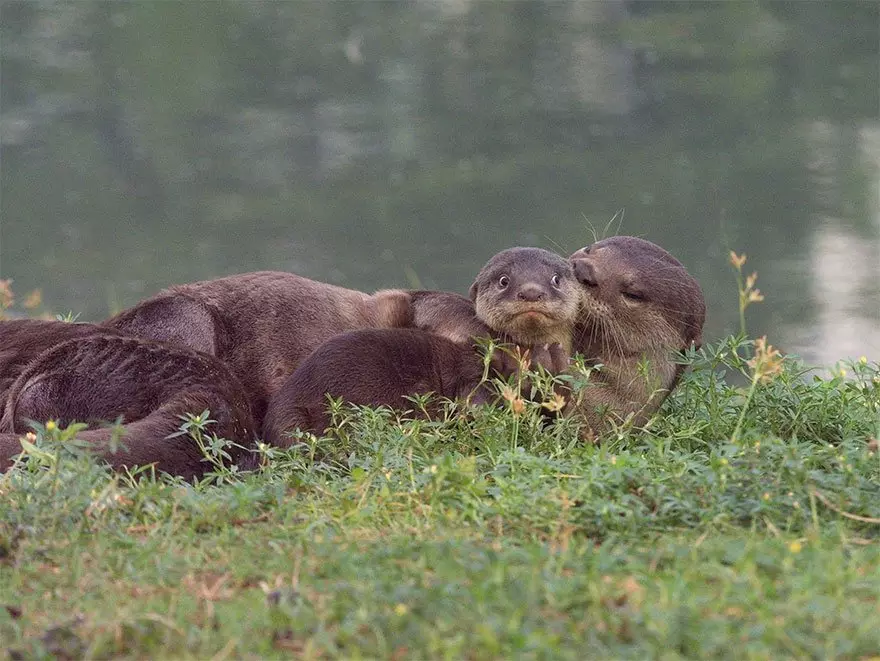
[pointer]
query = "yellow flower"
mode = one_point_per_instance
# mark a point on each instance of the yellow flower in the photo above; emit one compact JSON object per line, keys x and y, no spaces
{"x":51,"y":425}
{"x":767,"y":362}
{"x":863,"y":360}
{"x":795,"y":547}
{"x":555,"y":403}
{"x":737,"y":261}
{"x":518,"y":406}
{"x":33,"y":300}
{"x":401,"y":609}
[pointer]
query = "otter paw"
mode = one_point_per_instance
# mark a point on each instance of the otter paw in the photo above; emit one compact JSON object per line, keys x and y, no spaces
{"x":553,"y":358}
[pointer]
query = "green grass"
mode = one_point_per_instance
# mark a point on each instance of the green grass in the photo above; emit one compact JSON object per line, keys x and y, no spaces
{"x":485,"y":537}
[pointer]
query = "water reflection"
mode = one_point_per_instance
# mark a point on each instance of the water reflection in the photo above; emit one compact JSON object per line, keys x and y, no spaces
{"x":383,"y":144}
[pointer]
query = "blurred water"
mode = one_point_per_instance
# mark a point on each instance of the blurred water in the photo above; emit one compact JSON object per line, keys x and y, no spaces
{"x":383,"y":144}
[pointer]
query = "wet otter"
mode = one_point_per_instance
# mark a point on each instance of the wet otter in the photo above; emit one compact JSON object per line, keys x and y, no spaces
{"x":97,"y":377}
{"x":639,"y":305}
{"x":526,"y":295}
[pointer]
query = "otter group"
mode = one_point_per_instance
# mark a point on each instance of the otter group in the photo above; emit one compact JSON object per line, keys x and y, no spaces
{"x":263,"y":350}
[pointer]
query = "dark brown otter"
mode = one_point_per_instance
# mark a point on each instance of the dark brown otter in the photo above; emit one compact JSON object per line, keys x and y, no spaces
{"x":527,"y":295}
{"x":149,"y":385}
{"x":639,"y":306}
{"x":371,"y":367}
{"x":383,"y":368}
{"x":22,"y":340}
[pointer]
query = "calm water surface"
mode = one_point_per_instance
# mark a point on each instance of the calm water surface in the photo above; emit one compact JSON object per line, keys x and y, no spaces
{"x":378,"y":144}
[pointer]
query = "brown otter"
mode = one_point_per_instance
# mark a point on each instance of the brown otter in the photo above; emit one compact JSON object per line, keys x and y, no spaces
{"x":526,"y":295}
{"x":371,"y":367}
{"x":264,"y":324}
{"x":529,"y":295}
{"x":102,"y":376}
{"x":22,"y":340}
{"x":639,"y":306}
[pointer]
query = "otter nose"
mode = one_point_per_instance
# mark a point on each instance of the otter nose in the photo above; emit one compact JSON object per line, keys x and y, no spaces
{"x":531,"y":293}
{"x":585,"y":272}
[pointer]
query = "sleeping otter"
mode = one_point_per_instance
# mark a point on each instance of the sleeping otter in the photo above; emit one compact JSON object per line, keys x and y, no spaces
{"x":97,"y":377}
{"x":526,"y":295}
{"x":639,"y":306}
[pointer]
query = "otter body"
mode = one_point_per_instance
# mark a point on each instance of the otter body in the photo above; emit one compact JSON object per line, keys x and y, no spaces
{"x":371,"y":367}
{"x":639,"y":305}
{"x":526,"y":295}
{"x":22,"y":340}
{"x":97,"y":377}
{"x":264,"y":324}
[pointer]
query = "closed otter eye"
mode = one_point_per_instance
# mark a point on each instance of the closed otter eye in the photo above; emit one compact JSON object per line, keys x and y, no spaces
{"x":503,"y":282}
{"x":633,"y":296}
{"x":556,"y":281}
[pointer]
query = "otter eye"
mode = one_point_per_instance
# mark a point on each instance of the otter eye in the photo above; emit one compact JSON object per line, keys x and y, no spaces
{"x":556,"y":281}
{"x":633,"y":296}
{"x":503,"y":281}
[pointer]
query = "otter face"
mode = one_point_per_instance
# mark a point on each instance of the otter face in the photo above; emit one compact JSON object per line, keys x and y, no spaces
{"x":637,"y":297}
{"x":529,"y":294}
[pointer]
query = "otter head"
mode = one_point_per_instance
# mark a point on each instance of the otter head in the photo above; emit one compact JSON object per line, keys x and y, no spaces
{"x":529,"y":294}
{"x":638,"y":303}
{"x":636,"y":299}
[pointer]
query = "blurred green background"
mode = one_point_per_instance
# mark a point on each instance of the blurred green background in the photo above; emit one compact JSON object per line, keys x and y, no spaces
{"x":378,"y":144}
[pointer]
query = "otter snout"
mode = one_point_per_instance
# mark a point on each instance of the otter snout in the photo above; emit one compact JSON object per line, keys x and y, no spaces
{"x":531,"y":292}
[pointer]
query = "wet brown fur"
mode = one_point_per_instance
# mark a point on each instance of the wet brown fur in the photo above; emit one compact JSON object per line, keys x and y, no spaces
{"x":99,"y":377}
{"x":639,"y":305}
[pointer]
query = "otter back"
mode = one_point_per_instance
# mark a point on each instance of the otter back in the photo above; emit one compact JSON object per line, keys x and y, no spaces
{"x":150,"y":385}
{"x":22,"y":340}
{"x":371,"y":367}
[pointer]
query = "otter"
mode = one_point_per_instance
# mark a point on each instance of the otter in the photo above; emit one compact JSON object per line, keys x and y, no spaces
{"x":529,"y":295}
{"x":639,"y":305}
{"x":22,"y":340}
{"x":97,"y":376}
{"x":264,"y":324}
{"x":525,"y":295}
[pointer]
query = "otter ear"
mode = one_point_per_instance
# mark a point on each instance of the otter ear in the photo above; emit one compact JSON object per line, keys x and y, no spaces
{"x":474,"y":290}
